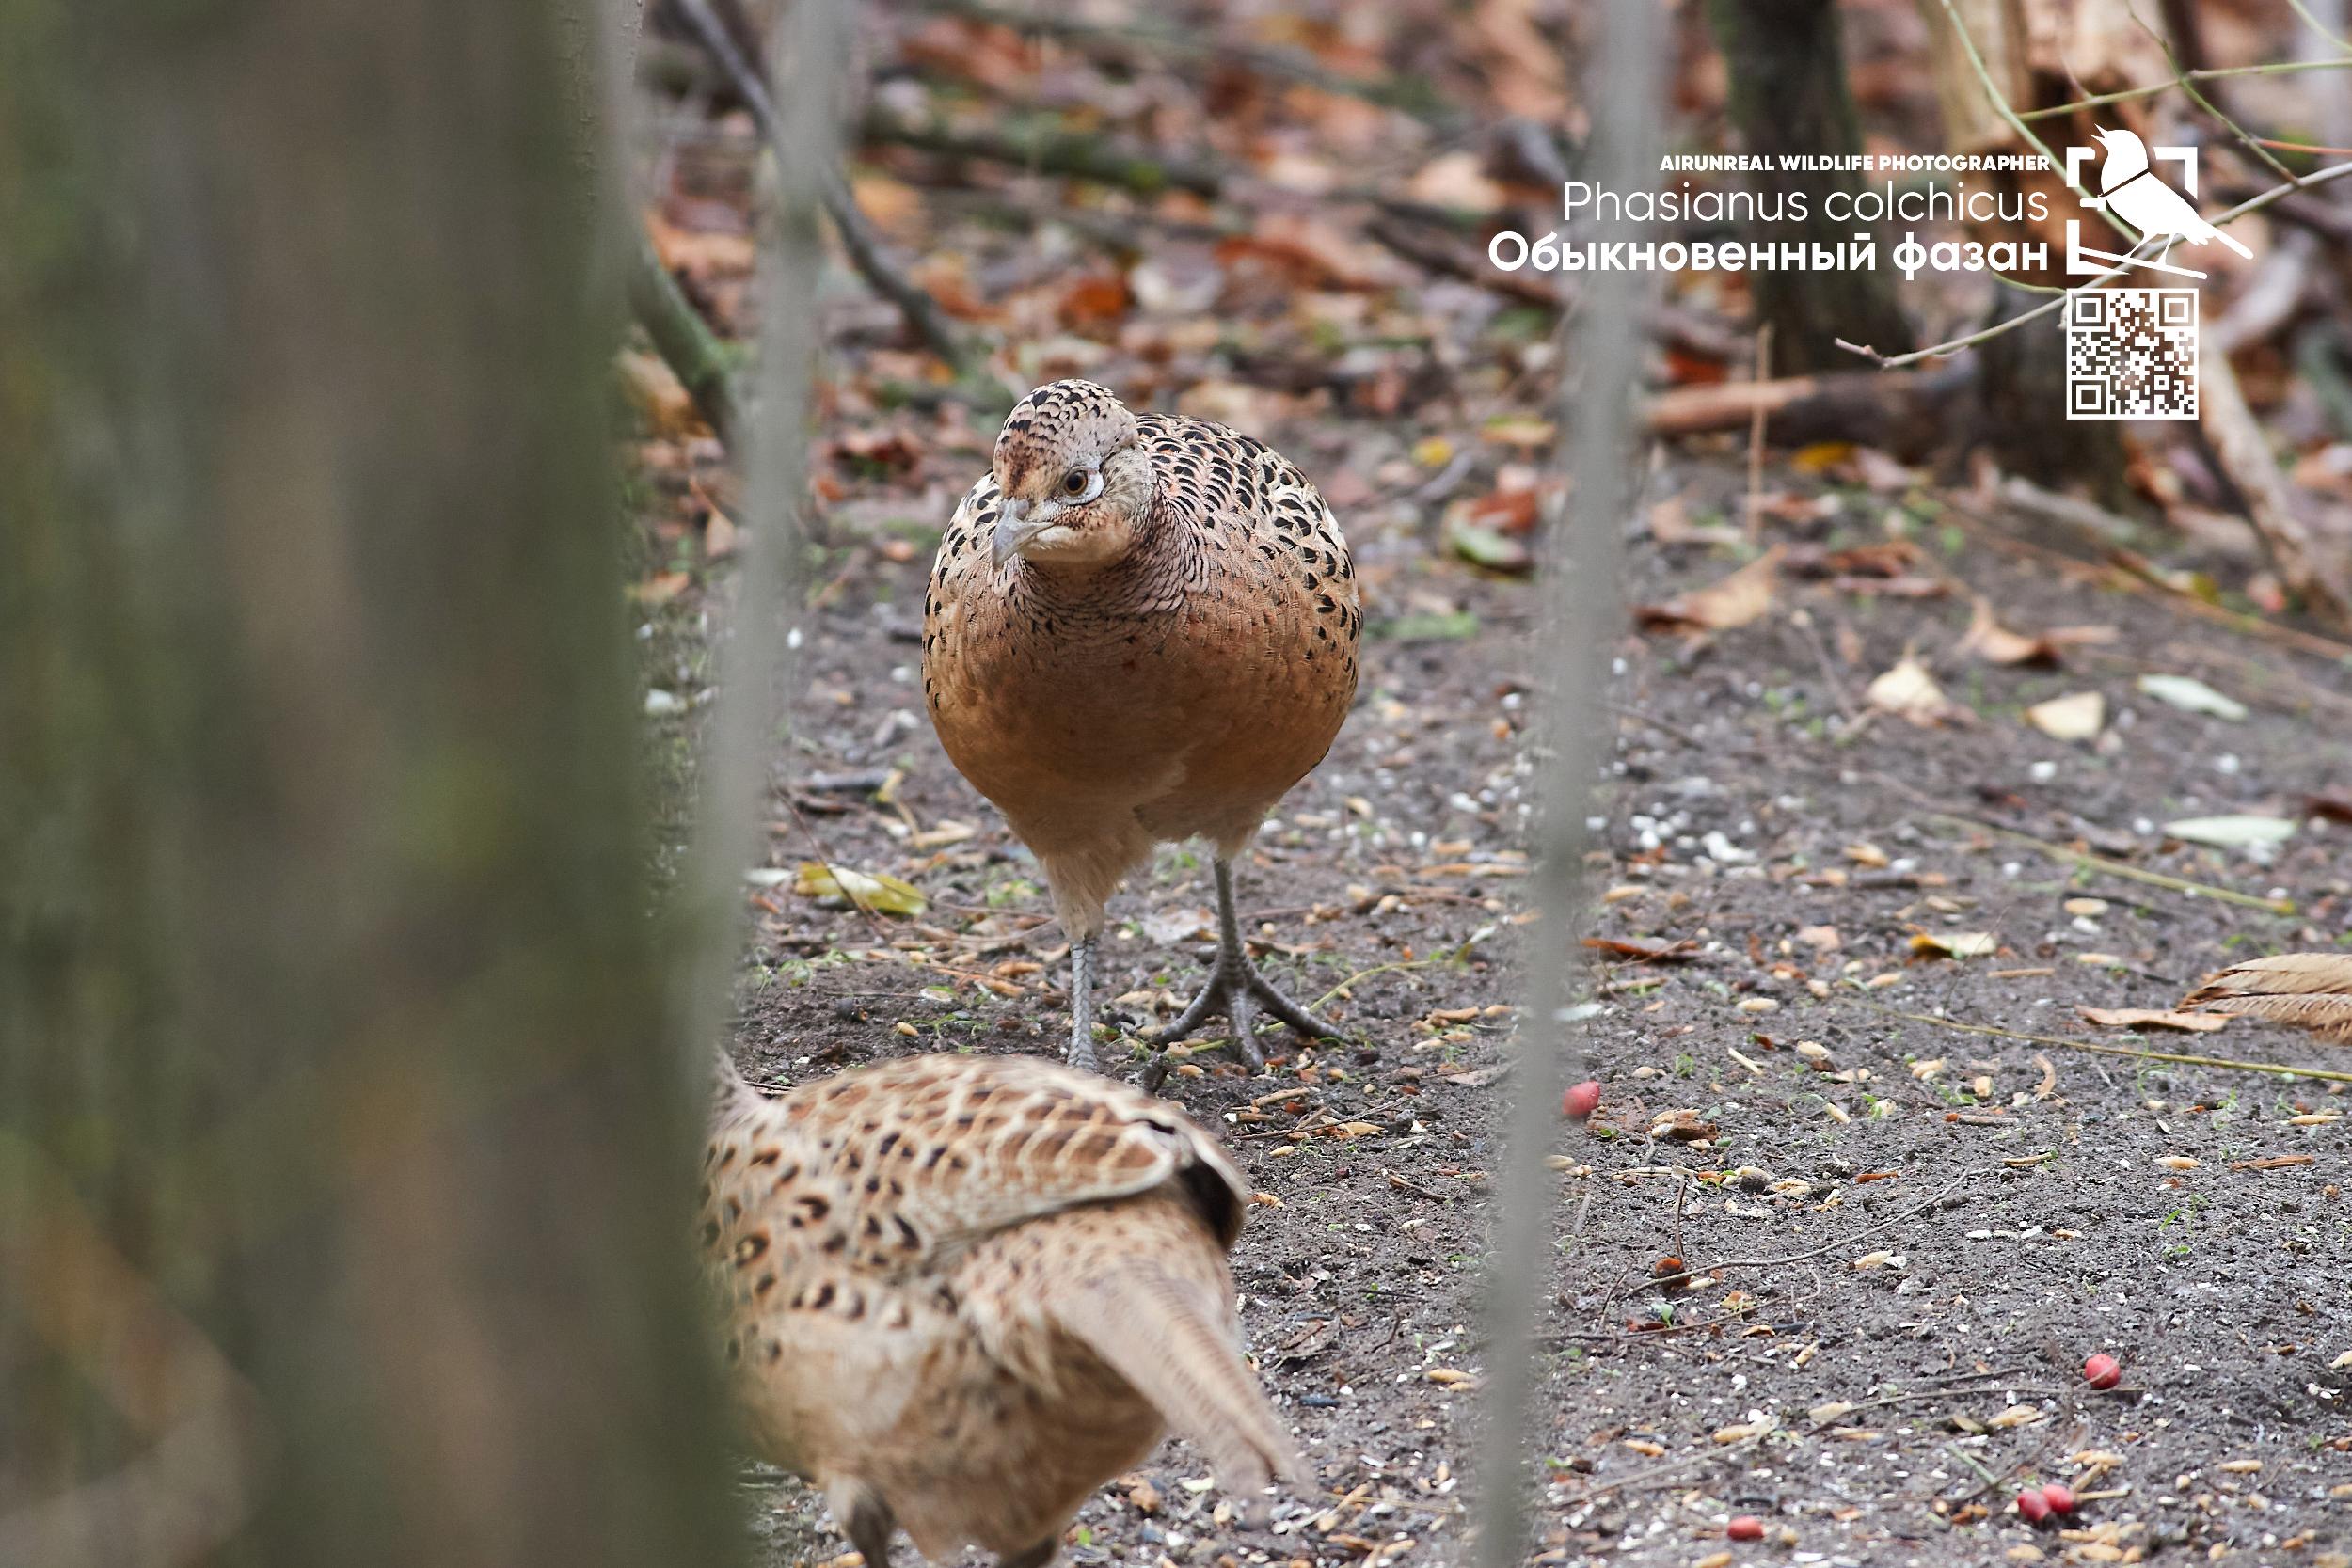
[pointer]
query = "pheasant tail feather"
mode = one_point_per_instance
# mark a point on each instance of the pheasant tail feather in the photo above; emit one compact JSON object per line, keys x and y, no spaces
{"x":2309,"y":991}
{"x":1168,"y":1337}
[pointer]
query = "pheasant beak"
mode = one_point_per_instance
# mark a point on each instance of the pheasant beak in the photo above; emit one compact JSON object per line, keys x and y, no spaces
{"x":1020,"y":523}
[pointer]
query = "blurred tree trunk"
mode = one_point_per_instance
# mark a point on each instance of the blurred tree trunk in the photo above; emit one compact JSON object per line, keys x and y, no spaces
{"x":2040,"y":57}
{"x":1787,"y":62}
{"x":344,"y":1173}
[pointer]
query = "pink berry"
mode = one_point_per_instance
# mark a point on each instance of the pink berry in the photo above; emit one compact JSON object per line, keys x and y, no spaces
{"x":1746,"y":1526}
{"x":2060,"y":1498}
{"x":2033,"y":1505}
{"x":1582,"y":1101}
{"x":2103,"y":1371}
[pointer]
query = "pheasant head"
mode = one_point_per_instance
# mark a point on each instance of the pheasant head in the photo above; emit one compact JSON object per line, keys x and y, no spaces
{"x":1075,"y":478}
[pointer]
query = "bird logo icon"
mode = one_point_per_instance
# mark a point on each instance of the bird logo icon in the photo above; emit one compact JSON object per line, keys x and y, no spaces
{"x":2130,"y":189}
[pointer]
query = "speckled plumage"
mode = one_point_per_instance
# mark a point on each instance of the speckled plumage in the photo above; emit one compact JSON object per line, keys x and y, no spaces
{"x":1161,"y":662}
{"x":963,"y":1291}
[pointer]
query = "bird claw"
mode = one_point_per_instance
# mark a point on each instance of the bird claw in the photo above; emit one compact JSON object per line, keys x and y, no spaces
{"x":1235,"y":989}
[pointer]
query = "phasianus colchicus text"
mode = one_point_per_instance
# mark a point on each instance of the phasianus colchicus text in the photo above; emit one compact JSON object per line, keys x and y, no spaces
{"x":1140,"y":629}
{"x":963,"y":1291}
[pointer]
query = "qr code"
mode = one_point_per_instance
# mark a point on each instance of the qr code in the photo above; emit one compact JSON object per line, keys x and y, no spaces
{"x":2131,"y":354}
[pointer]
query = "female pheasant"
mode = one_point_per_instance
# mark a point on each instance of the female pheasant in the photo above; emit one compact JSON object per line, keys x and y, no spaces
{"x":1139,"y":628}
{"x":963,"y":1291}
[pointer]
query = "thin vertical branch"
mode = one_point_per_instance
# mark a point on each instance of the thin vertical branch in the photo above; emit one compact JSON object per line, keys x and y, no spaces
{"x":1580,"y":620}
{"x":2011,"y":118}
{"x":755,"y":658}
{"x":858,"y":237}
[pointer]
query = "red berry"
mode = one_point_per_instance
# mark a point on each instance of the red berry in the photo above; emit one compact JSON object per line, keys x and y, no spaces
{"x":1582,"y":1101}
{"x":2060,"y":1498}
{"x":2033,"y":1505}
{"x":1746,"y":1526}
{"x":2103,"y":1371}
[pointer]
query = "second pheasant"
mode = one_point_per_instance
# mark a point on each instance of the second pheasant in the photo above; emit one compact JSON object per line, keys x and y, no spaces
{"x":1140,"y":629}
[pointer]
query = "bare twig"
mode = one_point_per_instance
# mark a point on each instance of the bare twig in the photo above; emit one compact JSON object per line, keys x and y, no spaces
{"x":2118,"y":868}
{"x":2277,"y":1068}
{"x":1803,"y":620}
{"x":758,"y":653}
{"x":1939,"y":351}
{"x":2317,"y":26}
{"x":1806,"y":1257}
{"x":2215,"y":74}
{"x":1433,"y":249}
{"x":2305,"y":147}
{"x":858,"y":237}
{"x":685,"y":342}
{"x":2011,"y":117}
{"x":1081,"y":153}
{"x":1580,"y":620}
{"x":1755,"y":434}
{"x":1048,"y":150}
{"x":1406,"y":97}
{"x":2130,"y":576}
{"x":2242,"y":452}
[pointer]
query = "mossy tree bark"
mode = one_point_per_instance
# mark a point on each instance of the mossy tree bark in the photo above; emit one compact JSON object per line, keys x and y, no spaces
{"x":1786,"y":62}
{"x":344,"y":1180}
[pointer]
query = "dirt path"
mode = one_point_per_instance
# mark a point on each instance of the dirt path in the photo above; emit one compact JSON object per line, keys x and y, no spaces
{"x":2021,"y":1205}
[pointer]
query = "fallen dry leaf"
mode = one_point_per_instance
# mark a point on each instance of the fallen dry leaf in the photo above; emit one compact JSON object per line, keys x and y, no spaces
{"x":1957,"y":944}
{"x":1647,"y":952}
{"x":2191,"y":695}
{"x":1744,"y":597}
{"x":2154,"y":1017}
{"x":1988,"y":640}
{"x":2243,"y":830}
{"x":1683,"y":1126}
{"x":2076,"y":716}
{"x":869,"y":890}
{"x":661,"y":399}
{"x":1456,"y":178}
{"x":1909,"y":692}
{"x":1670,"y":524}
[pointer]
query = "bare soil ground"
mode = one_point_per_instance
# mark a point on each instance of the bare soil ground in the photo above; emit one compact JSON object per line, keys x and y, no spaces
{"x":1900,"y":1252}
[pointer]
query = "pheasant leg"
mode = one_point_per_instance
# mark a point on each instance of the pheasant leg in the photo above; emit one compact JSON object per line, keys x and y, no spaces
{"x":1235,"y":987}
{"x":1081,"y":1007}
{"x":869,"y":1528}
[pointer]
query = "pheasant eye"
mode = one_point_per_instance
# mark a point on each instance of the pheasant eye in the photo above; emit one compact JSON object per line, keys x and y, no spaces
{"x":1074,"y":481}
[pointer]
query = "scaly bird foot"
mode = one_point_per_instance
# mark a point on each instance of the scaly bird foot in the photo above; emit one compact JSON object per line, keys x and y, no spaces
{"x":1082,"y":1052}
{"x":1235,"y":989}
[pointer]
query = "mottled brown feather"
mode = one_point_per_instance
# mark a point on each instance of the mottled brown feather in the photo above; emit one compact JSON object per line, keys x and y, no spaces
{"x":975,"y":1288}
{"x":2308,"y":991}
{"x":1177,"y":691}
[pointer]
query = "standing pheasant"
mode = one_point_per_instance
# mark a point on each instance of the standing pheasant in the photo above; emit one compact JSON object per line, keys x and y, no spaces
{"x":1140,"y":629}
{"x":963,"y":1291}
